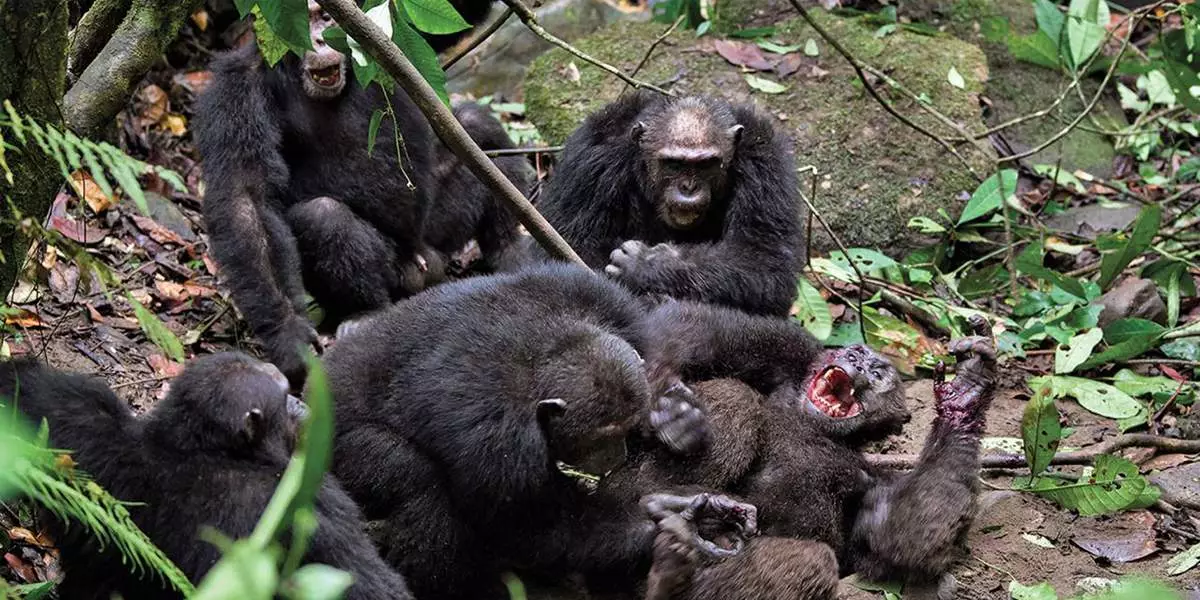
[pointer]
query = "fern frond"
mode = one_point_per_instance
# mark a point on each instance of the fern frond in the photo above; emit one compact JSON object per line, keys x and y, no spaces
{"x":71,"y":152}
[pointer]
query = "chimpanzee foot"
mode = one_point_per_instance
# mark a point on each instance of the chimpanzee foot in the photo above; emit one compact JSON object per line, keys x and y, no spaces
{"x":716,"y":526}
{"x":678,"y":421}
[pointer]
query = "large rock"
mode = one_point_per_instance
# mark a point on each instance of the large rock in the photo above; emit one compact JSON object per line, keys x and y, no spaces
{"x":875,"y":172}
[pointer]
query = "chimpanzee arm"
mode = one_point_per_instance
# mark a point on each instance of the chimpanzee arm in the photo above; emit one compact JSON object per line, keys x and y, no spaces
{"x":694,"y":342}
{"x":909,"y":529}
{"x":587,"y":199}
{"x":753,"y":266}
{"x":238,"y":136}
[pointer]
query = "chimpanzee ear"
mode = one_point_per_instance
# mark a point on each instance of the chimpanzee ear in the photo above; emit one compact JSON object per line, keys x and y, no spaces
{"x":253,"y":427}
{"x":734,"y":133}
{"x":638,"y":129}
{"x":549,"y":409}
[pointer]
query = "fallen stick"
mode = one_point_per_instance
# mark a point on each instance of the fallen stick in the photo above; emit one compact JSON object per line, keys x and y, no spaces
{"x":1079,"y":457}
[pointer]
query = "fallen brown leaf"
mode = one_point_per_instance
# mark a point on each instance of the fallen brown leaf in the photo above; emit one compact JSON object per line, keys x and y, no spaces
{"x":94,"y":314}
{"x":74,"y":229}
{"x":163,"y":366}
{"x":85,"y":187}
{"x":790,"y":64}
{"x":23,"y":569}
{"x":24,"y":318}
{"x":743,"y":54}
{"x":155,"y":105}
{"x":25,"y":536}
{"x":157,"y":232}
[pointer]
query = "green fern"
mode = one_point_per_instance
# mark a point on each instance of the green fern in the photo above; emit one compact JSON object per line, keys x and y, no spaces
{"x":71,"y":152}
{"x":72,"y":497}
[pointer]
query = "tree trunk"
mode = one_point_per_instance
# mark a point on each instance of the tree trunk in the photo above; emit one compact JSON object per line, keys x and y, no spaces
{"x":33,"y":63}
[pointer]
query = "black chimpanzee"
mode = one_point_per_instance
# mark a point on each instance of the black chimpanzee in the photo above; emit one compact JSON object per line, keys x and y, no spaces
{"x":782,"y":431}
{"x":209,"y":455}
{"x":294,"y":200}
{"x":457,"y":408}
{"x":691,"y":198}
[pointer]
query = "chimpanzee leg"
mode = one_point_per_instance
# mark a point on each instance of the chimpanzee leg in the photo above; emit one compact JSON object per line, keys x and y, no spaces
{"x":348,"y":266}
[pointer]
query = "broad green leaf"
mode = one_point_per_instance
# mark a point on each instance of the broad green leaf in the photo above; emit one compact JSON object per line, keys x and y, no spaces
{"x":269,"y":45}
{"x":1144,"y":229}
{"x":1184,"y":349}
{"x":156,"y":331}
{"x":435,"y":16}
{"x":1029,"y":262}
{"x":373,"y":129}
{"x":244,"y":6}
{"x":1041,"y":591}
{"x":514,"y":585}
{"x":318,"y":582}
{"x":1100,"y":398}
{"x":827,"y":267}
{"x":1086,"y":21}
{"x":812,"y":311}
{"x":770,"y":46}
{"x":245,"y":572}
{"x":1061,"y":176}
{"x":865,"y":259}
{"x":894,"y":337}
{"x":1049,"y":18}
{"x":1036,"y":48}
{"x":1040,"y":431}
{"x":1114,"y":485}
{"x":844,"y":334}
{"x":422,"y":56}
{"x":1072,"y":354}
{"x":926,"y":225}
{"x":810,"y":48}
{"x":381,"y":15}
{"x":1184,"y":561}
{"x":288,"y":20}
{"x":956,"y":79}
{"x":1130,"y":348}
{"x":1158,"y":89}
{"x":1123,"y":330}
{"x":1143,"y":385}
{"x":765,"y":86}
{"x":31,"y":591}
{"x":989,"y":195}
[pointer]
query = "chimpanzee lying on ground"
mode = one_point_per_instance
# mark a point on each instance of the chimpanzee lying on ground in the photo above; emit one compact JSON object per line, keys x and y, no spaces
{"x":209,"y":455}
{"x":455,"y":409}
{"x":295,"y":201}
{"x":684,"y":197}
{"x":776,"y":420}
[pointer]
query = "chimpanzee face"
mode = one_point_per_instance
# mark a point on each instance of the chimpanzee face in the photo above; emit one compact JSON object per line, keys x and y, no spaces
{"x":687,"y":150}
{"x":855,"y":391}
{"x":323,"y":68}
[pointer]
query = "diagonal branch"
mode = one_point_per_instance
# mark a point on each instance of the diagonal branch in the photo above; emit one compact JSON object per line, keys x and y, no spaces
{"x":479,"y":39}
{"x":380,"y":46}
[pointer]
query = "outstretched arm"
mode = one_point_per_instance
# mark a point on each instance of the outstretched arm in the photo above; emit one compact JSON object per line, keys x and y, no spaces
{"x":909,"y":529}
{"x":245,"y":175}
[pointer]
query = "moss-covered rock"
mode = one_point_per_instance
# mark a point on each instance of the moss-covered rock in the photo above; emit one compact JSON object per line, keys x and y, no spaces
{"x":875,"y":172}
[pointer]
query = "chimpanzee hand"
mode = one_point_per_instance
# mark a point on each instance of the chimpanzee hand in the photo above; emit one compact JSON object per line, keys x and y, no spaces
{"x":631,"y":261}
{"x":287,"y":347}
{"x":678,"y":422}
{"x":967,"y":398}
{"x":675,"y":561}
{"x":715,"y":526}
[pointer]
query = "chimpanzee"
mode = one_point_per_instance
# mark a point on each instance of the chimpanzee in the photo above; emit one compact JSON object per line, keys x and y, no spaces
{"x":691,"y":198}
{"x":209,"y":455}
{"x":459,"y":410}
{"x":295,"y":201}
{"x":782,"y":426}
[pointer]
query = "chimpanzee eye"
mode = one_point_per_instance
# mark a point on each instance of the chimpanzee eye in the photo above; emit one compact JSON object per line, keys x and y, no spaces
{"x":325,"y":17}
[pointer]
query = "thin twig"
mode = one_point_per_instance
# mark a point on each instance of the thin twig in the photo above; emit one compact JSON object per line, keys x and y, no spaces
{"x":448,"y":129}
{"x":520,"y":151}
{"x":857,"y":65}
{"x":478,"y":39}
{"x":659,"y":40}
{"x":528,"y":17}
{"x":1079,"y":457}
{"x":845,"y":252}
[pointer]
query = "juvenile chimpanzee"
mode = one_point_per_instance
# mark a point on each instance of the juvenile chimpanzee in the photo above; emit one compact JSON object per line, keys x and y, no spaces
{"x":209,"y":455}
{"x":294,"y":199}
{"x":455,"y":409}
{"x":783,"y":434}
{"x":691,"y":198}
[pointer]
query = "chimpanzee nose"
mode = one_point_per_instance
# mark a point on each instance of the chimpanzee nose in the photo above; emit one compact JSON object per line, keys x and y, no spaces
{"x":689,"y":187}
{"x":907,"y":417}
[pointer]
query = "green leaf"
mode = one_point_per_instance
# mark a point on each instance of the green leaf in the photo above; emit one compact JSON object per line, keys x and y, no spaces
{"x":422,"y":56}
{"x":765,"y":86}
{"x":989,"y":195}
{"x":703,"y":28}
{"x":156,"y":331}
{"x":1123,"y":330}
{"x":1135,"y":346}
{"x":373,"y":129}
{"x":1114,"y":485}
{"x":1184,"y":561}
{"x":1040,"y":430}
{"x":435,"y":16}
{"x":1072,"y":354}
{"x":812,"y":311}
{"x":956,"y":80}
{"x":1029,"y":262}
{"x":318,"y":582}
{"x":514,"y":585}
{"x":1086,"y":21}
{"x":867,"y":260}
{"x":810,"y":48}
{"x":770,"y":46}
{"x":1041,"y":591}
{"x":1049,"y":18}
{"x":1060,"y":176}
{"x":32,"y":591}
{"x":1144,"y":230}
{"x":926,"y":225}
{"x":1036,"y":48}
{"x":1098,"y":397}
{"x":1143,"y":385}
{"x":245,"y":572}
{"x":288,"y":20}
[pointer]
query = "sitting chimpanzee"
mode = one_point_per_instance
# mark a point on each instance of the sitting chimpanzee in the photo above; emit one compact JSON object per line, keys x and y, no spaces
{"x":456,"y":409}
{"x":690,"y":198}
{"x":209,"y":455}
{"x":782,"y":433}
{"x":294,"y":199}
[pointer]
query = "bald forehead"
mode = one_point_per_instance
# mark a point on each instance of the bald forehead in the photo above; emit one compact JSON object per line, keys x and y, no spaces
{"x":691,"y":127}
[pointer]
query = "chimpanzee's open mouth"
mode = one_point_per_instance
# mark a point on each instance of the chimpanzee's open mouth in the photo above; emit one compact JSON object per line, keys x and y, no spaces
{"x":832,"y":393}
{"x":326,"y":77}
